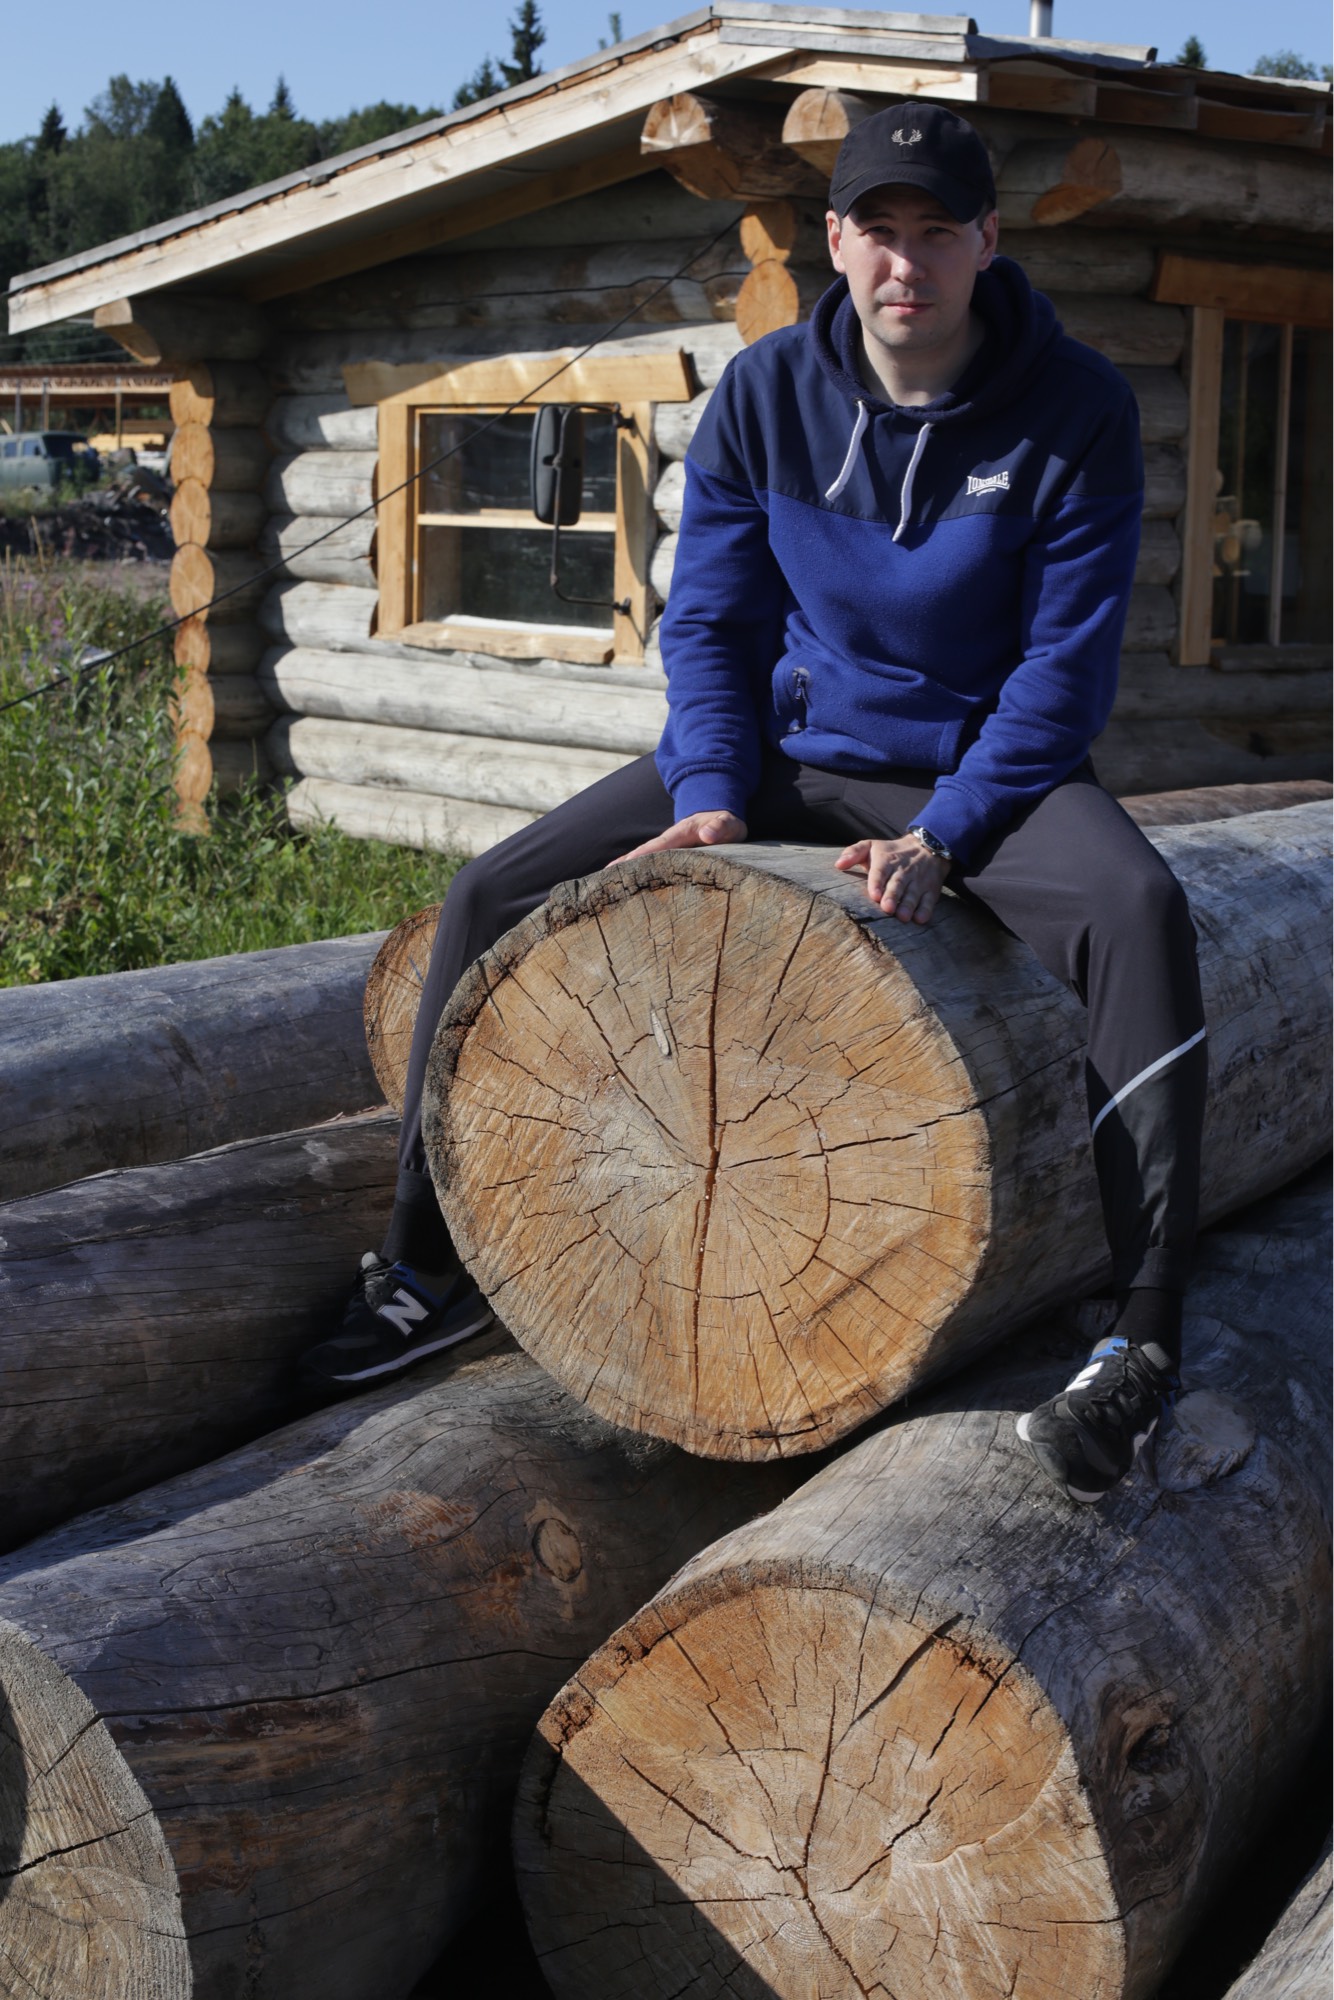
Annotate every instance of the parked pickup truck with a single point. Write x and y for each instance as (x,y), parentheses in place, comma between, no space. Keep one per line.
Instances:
(46,458)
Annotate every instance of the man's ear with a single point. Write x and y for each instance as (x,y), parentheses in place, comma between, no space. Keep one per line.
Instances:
(835,229)
(990,236)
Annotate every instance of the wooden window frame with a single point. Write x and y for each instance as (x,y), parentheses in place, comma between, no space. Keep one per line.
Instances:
(633,383)
(1283,295)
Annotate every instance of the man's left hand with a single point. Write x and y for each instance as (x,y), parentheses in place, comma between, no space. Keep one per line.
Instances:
(901,876)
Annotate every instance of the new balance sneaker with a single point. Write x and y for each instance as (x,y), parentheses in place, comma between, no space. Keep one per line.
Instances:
(1087,1438)
(391,1322)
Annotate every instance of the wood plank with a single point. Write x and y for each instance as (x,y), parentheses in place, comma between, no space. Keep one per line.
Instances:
(1127,104)
(1278,294)
(516,642)
(1031,86)
(636,476)
(1268,127)
(411,238)
(881,76)
(516,517)
(395,550)
(664,376)
(1197,525)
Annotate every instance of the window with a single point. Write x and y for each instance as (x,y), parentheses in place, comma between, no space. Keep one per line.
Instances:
(1255,572)
(461,559)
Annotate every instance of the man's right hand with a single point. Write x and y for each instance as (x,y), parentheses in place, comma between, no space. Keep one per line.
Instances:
(708,829)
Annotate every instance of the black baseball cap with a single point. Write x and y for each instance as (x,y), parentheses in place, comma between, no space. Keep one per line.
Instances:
(917,145)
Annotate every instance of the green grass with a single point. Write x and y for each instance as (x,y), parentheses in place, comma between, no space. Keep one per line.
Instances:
(95,873)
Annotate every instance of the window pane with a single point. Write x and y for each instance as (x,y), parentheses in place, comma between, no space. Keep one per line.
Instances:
(1244,508)
(1308,529)
(505,573)
(492,470)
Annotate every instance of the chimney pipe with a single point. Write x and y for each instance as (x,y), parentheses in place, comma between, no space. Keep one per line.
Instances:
(1039,17)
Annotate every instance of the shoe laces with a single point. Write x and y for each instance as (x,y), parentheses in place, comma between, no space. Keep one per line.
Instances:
(1126,1391)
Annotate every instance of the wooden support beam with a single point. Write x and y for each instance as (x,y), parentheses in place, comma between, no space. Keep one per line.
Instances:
(819,121)
(654,377)
(173,330)
(725,151)
(1279,294)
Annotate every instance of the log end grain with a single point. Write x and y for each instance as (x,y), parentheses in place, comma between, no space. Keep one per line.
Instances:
(92,1904)
(655,1110)
(393,995)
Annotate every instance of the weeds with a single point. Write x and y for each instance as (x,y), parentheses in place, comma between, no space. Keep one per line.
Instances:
(95,873)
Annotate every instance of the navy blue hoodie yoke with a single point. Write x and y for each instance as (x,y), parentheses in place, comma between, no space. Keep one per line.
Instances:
(865,586)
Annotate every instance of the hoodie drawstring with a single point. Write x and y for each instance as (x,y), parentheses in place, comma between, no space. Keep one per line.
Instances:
(845,470)
(905,497)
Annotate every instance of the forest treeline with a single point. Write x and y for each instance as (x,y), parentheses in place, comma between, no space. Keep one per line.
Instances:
(137,158)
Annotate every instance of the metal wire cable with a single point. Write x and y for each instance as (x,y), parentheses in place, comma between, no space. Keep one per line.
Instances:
(108,659)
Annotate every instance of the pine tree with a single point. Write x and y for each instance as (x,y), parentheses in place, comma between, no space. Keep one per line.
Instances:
(614,29)
(52,137)
(526,37)
(282,105)
(482,83)
(1286,63)
(1192,54)
(169,121)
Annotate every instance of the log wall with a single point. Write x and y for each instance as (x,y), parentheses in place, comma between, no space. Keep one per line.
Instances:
(267,663)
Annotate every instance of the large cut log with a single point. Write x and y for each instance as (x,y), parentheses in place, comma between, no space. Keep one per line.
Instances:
(133,1067)
(782,1158)
(227,583)
(1130,332)
(319,550)
(930,1729)
(1186,808)
(320,423)
(1163,180)
(215,518)
(265,1723)
(333,615)
(403,819)
(727,151)
(1164,482)
(1297,1959)
(605,708)
(172,330)
(241,710)
(1142,756)
(322,482)
(317,363)
(203,647)
(490,769)
(152,1317)
(234,461)
(222,393)
(1152,687)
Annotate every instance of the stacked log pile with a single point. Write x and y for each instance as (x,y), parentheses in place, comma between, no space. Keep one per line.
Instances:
(926,1728)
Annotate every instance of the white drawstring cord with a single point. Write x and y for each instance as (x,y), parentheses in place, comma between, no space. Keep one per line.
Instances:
(845,470)
(905,497)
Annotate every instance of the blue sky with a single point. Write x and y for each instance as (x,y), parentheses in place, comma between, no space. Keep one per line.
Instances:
(334,57)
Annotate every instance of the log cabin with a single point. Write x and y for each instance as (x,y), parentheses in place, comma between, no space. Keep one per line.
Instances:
(378,623)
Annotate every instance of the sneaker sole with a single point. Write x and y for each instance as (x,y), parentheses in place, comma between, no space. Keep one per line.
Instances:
(477,1324)
(1050,1462)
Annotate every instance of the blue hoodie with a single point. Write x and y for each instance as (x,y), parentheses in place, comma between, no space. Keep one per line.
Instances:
(865,586)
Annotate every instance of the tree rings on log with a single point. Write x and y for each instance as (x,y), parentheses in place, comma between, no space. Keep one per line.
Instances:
(741,1161)
(393,995)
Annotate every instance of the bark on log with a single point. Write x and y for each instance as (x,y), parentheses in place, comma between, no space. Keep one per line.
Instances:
(221,393)
(135,1067)
(228,583)
(218,649)
(341,556)
(166,331)
(322,482)
(403,819)
(215,519)
(153,1315)
(727,151)
(586,708)
(928,1729)
(320,423)
(1133,756)
(266,1722)
(233,461)
(1297,1961)
(784,1162)
(489,769)
(1164,181)
(1184,808)
(332,615)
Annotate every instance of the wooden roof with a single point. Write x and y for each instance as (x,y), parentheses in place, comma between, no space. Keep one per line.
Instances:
(576,130)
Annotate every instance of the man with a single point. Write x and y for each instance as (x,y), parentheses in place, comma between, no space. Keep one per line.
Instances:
(907,544)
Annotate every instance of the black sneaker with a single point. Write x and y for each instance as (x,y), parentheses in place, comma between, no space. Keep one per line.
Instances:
(1088,1437)
(391,1322)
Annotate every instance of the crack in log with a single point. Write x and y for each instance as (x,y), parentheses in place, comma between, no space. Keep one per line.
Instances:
(715,1148)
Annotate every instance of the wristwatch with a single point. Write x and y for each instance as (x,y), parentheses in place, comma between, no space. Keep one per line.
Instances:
(935,848)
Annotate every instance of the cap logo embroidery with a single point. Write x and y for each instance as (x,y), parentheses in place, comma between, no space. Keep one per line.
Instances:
(905,138)
(997,482)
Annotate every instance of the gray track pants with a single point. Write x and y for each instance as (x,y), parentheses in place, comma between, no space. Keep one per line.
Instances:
(1075,879)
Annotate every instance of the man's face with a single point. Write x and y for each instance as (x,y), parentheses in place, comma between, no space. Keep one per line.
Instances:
(910,266)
